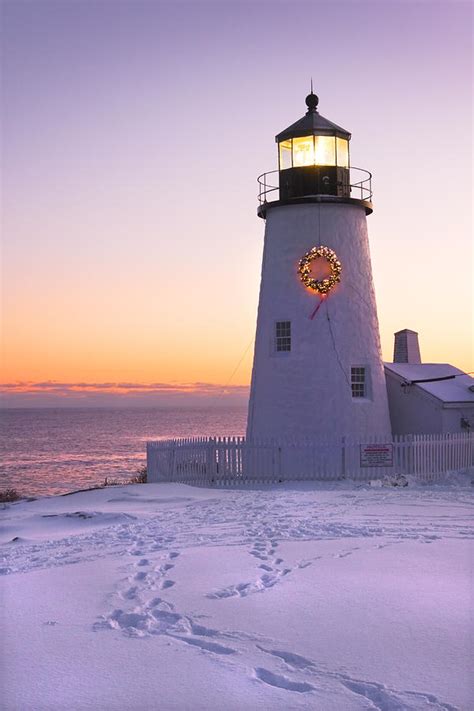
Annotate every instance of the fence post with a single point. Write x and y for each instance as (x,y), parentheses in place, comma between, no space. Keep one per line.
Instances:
(410,455)
(343,457)
(172,474)
(148,461)
(210,469)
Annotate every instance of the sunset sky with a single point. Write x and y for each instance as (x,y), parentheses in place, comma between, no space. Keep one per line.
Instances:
(133,133)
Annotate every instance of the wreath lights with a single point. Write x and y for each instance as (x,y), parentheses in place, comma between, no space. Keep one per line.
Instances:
(321,286)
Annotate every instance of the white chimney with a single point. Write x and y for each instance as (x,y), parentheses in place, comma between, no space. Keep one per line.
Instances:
(406,349)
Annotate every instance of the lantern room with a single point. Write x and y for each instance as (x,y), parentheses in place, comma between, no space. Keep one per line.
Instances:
(314,166)
(313,156)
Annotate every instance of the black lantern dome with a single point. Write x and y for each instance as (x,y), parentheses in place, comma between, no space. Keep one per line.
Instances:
(312,123)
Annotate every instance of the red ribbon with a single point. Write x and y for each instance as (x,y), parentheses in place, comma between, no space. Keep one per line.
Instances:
(317,307)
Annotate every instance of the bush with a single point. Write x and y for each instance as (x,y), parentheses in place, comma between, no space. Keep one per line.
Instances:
(9,495)
(112,482)
(140,477)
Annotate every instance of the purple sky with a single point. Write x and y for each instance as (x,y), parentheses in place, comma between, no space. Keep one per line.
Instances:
(132,136)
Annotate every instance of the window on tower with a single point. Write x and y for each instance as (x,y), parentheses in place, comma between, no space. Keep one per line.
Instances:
(358,381)
(283,336)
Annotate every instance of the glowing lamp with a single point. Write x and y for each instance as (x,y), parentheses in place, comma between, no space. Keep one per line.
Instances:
(313,156)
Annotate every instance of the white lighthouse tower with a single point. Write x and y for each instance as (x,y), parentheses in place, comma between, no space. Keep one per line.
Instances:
(317,368)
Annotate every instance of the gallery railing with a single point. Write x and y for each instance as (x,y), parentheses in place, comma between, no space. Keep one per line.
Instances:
(360,185)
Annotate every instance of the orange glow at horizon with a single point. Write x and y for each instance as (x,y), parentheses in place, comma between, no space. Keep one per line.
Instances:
(43,344)
(89,338)
(70,329)
(122,389)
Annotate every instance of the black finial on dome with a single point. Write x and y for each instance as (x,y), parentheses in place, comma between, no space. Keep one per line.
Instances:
(312,100)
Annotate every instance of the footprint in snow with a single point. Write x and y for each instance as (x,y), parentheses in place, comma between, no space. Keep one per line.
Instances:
(384,698)
(158,617)
(130,593)
(282,682)
(293,660)
(162,570)
(344,554)
(206,646)
(268,580)
(380,696)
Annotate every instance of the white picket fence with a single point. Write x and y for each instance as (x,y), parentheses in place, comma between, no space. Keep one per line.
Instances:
(227,461)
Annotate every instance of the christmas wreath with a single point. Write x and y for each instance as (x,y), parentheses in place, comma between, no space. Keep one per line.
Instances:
(322,286)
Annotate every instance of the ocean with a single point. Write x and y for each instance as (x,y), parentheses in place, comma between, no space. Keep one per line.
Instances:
(54,451)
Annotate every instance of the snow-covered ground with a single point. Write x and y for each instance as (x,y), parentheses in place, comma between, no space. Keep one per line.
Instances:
(165,596)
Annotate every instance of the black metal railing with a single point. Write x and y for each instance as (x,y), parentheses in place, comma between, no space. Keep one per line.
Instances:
(360,185)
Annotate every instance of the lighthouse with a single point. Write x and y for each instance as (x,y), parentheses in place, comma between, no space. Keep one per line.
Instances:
(317,370)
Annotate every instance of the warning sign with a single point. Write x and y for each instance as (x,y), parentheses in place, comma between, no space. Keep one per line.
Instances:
(376,455)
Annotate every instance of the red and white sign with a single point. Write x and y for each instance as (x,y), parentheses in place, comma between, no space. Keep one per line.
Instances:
(376,455)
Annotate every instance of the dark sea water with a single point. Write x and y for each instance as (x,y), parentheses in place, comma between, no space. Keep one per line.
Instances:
(53,451)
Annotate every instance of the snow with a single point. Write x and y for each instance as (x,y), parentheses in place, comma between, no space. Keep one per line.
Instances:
(455,390)
(325,596)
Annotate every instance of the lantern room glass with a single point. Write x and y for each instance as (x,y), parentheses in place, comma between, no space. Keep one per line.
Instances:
(303,151)
(314,150)
(342,152)
(285,155)
(324,150)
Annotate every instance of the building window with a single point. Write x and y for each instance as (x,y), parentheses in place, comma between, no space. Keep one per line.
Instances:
(358,382)
(283,336)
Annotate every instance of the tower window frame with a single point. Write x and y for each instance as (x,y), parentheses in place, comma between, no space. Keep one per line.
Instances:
(282,337)
(359,382)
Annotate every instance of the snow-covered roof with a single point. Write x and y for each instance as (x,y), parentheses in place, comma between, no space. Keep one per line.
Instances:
(454,390)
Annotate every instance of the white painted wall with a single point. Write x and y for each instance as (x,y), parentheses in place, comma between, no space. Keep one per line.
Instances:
(451,417)
(412,411)
(415,411)
(307,392)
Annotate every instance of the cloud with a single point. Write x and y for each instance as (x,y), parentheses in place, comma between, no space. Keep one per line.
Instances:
(52,392)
